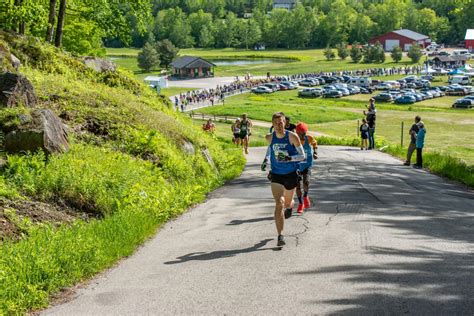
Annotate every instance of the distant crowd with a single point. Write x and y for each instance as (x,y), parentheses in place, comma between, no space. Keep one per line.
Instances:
(212,96)
(218,94)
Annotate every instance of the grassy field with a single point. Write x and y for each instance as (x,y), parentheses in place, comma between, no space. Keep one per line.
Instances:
(310,60)
(448,129)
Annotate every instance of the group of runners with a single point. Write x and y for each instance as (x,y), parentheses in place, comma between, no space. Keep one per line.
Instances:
(241,131)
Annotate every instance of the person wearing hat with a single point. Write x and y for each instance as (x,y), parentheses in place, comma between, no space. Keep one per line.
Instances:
(310,146)
(420,143)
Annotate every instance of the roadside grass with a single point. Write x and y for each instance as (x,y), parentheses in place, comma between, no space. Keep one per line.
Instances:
(309,60)
(133,163)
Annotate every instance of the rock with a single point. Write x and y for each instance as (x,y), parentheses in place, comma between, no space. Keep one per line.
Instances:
(208,157)
(16,63)
(99,64)
(44,131)
(188,148)
(16,89)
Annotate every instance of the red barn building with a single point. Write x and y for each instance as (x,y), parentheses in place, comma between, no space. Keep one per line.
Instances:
(469,39)
(402,38)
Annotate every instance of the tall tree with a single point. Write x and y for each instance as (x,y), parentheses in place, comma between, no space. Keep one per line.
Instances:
(396,54)
(356,52)
(51,20)
(167,52)
(148,58)
(59,28)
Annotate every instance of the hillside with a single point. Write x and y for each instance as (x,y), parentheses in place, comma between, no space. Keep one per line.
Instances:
(132,164)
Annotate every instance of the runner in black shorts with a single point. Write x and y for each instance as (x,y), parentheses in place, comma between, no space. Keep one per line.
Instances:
(284,154)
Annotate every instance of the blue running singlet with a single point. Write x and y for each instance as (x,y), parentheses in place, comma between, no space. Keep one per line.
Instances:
(282,146)
(308,149)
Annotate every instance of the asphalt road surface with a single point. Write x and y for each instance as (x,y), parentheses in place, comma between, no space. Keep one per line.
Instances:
(380,239)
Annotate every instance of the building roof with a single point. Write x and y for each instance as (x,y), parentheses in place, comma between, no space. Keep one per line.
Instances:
(469,34)
(411,34)
(190,62)
(284,1)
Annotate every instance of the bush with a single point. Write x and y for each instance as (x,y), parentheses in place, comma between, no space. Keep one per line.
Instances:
(414,53)
(396,54)
(356,53)
(329,53)
(342,51)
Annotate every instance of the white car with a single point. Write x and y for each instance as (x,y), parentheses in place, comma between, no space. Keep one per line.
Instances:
(262,89)
(310,92)
(383,86)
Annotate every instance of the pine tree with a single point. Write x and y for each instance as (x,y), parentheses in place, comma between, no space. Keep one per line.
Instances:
(148,58)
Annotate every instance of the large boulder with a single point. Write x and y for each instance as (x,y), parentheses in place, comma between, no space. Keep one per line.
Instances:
(99,64)
(16,89)
(44,131)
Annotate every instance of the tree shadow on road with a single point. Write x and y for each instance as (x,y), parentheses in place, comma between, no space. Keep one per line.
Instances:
(219,254)
(429,282)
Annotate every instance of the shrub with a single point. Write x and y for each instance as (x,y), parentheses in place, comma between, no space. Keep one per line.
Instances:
(356,53)
(396,54)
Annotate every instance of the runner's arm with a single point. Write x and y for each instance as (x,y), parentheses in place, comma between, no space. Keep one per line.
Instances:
(295,141)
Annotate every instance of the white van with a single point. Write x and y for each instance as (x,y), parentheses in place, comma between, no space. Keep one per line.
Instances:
(360,82)
(459,80)
(461,52)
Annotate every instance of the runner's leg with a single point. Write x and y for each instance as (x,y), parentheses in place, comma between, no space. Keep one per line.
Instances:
(277,191)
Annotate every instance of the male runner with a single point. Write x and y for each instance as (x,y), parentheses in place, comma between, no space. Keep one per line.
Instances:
(245,125)
(285,152)
(310,146)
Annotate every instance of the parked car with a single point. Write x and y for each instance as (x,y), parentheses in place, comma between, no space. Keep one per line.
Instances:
(383,86)
(344,91)
(272,86)
(354,90)
(367,90)
(456,90)
(310,92)
(405,99)
(308,83)
(464,80)
(410,78)
(289,85)
(332,94)
(427,95)
(383,97)
(262,89)
(394,93)
(462,103)
(418,96)
(427,77)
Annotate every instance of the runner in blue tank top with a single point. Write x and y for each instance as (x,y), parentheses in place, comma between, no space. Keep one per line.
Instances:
(285,152)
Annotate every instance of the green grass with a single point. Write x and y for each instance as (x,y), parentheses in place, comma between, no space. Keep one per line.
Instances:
(310,60)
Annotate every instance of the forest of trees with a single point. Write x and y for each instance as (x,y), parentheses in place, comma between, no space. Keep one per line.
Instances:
(90,24)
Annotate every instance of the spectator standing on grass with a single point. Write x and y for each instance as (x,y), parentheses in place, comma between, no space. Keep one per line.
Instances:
(370,117)
(411,148)
(176,102)
(420,143)
(364,134)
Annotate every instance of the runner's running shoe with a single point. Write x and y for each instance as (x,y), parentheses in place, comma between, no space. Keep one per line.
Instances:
(300,209)
(306,202)
(281,241)
(288,212)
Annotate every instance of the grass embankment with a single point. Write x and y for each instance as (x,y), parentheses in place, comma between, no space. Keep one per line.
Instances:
(447,152)
(127,168)
(302,61)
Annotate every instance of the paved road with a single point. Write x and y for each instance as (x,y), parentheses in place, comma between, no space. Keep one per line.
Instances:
(381,239)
